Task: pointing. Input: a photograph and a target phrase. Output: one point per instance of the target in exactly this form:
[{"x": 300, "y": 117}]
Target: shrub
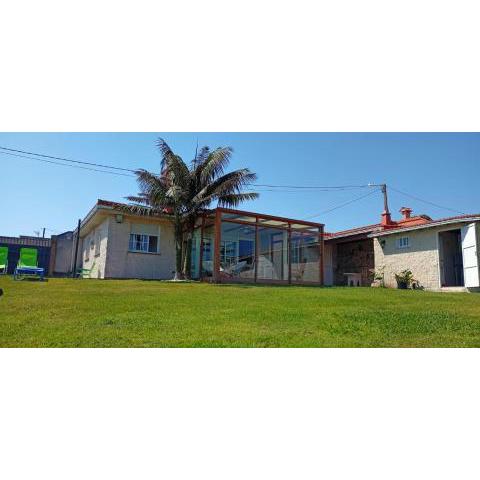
[{"x": 404, "y": 279}]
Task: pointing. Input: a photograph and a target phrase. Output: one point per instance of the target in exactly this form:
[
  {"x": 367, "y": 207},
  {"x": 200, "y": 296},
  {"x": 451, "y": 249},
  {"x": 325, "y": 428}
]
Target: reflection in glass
[
  {"x": 207, "y": 254},
  {"x": 272, "y": 254},
  {"x": 305, "y": 255},
  {"x": 237, "y": 251},
  {"x": 196, "y": 253}
]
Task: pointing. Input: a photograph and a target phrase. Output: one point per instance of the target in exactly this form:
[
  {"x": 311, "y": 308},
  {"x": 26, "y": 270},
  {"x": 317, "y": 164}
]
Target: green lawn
[{"x": 134, "y": 313}]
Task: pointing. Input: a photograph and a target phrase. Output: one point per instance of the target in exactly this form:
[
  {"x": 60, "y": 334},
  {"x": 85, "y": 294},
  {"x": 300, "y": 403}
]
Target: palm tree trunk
[
  {"x": 178, "y": 232},
  {"x": 188, "y": 253},
  {"x": 188, "y": 258}
]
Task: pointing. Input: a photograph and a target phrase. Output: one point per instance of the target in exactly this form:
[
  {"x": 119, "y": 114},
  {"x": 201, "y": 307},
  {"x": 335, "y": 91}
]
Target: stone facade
[
  {"x": 421, "y": 256},
  {"x": 355, "y": 256}
]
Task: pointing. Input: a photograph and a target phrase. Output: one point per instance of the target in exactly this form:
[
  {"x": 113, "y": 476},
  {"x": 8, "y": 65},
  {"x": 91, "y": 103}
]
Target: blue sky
[{"x": 443, "y": 168}]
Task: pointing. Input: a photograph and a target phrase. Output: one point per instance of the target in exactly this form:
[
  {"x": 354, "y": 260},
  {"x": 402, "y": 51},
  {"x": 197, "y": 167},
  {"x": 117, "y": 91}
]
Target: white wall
[
  {"x": 94, "y": 249},
  {"x": 120, "y": 263}
]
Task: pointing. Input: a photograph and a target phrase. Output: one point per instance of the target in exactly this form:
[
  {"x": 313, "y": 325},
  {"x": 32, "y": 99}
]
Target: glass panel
[
  {"x": 305, "y": 254},
  {"x": 196, "y": 253},
  {"x": 207, "y": 255},
  {"x": 273, "y": 223},
  {"x": 237, "y": 216},
  {"x": 153, "y": 244},
  {"x": 237, "y": 251},
  {"x": 272, "y": 254}
]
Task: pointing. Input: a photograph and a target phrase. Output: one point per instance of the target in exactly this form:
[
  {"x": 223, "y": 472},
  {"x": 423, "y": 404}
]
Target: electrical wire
[
  {"x": 425, "y": 201},
  {"x": 312, "y": 187},
  {"x": 342, "y": 204},
  {"x": 66, "y": 165},
  {"x": 266, "y": 187},
  {"x": 68, "y": 159},
  {"x": 295, "y": 187}
]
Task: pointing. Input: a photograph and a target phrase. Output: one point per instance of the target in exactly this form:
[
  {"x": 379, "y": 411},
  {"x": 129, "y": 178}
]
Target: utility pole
[
  {"x": 386, "y": 217},
  {"x": 77, "y": 239},
  {"x": 383, "y": 187},
  {"x": 43, "y": 234}
]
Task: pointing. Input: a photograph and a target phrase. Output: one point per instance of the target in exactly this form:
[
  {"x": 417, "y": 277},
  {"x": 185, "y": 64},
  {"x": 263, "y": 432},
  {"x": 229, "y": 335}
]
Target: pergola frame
[{"x": 258, "y": 221}]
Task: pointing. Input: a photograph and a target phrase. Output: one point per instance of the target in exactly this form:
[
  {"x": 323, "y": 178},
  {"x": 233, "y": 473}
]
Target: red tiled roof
[
  {"x": 397, "y": 225},
  {"x": 353, "y": 231},
  {"x": 431, "y": 223}
]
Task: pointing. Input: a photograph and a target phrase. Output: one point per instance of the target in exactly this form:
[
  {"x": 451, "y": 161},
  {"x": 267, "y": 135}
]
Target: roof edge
[{"x": 434, "y": 223}]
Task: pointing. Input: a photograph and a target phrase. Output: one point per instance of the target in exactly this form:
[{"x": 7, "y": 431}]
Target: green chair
[
  {"x": 3, "y": 260},
  {"x": 85, "y": 272},
  {"x": 27, "y": 265}
]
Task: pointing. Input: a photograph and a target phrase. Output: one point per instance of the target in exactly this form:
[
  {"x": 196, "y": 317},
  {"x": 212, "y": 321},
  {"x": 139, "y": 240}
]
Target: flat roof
[{"x": 271, "y": 219}]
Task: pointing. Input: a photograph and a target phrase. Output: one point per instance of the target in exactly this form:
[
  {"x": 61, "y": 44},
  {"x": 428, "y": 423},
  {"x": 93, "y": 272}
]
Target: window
[
  {"x": 143, "y": 243},
  {"x": 403, "y": 242},
  {"x": 228, "y": 253}
]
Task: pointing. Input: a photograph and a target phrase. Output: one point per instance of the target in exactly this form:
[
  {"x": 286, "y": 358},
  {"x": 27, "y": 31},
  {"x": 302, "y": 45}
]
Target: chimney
[
  {"x": 406, "y": 212},
  {"x": 386, "y": 219}
]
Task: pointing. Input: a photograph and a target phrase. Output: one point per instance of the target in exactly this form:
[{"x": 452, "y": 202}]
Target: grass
[{"x": 135, "y": 313}]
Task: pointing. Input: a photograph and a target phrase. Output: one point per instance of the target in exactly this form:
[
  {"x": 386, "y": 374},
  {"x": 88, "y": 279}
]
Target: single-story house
[
  {"x": 352, "y": 251},
  {"x": 228, "y": 246},
  {"x": 441, "y": 254},
  {"x": 238, "y": 246}
]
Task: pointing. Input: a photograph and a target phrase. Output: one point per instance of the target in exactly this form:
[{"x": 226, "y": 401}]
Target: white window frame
[
  {"x": 403, "y": 242},
  {"x": 144, "y": 243},
  {"x": 229, "y": 252}
]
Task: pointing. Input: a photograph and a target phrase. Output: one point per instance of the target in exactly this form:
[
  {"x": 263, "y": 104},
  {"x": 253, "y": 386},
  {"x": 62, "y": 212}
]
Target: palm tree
[{"x": 185, "y": 191}]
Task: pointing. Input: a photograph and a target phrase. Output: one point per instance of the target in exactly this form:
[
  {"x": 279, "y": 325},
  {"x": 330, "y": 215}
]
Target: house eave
[{"x": 424, "y": 226}]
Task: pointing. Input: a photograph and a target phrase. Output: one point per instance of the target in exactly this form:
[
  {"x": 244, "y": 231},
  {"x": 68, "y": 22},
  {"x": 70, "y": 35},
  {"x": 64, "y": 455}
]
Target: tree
[{"x": 185, "y": 191}]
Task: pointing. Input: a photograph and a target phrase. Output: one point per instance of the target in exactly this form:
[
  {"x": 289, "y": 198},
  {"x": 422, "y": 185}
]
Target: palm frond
[
  {"x": 200, "y": 157},
  {"x": 235, "y": 199},
  {"x": 227, "y": 184},
  {"x": 140, "y": 199},
  {"x": 215, "y": 164},
  {"x": 165, "y": 151},
  {"x": 138, "y": 209}
]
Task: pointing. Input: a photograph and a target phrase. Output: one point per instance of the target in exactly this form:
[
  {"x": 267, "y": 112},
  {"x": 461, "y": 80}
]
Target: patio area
[{"x": 238, "y": 246}]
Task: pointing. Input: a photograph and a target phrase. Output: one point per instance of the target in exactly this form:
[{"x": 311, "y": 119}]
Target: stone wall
[
  {"x": 421, "y": 257},
  {"x": 353, "y": 257}
]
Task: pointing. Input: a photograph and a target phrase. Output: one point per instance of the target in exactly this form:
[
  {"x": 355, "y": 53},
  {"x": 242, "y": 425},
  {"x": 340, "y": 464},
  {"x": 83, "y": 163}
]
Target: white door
[{"x": 470, "y": 256}]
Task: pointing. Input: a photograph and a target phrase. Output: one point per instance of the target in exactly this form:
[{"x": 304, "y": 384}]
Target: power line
[
  {"x": 425, "y": 201},
  {"x": 112, "y": 167},
  {"x": 65, "y": 164},
  {"x": 339, "y": 187},
  {"x": 343, "y": 204},
  {"x": 68, "y": 160}
]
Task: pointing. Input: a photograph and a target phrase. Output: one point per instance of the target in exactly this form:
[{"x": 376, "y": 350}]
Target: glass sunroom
[{"x": 237, "y": 246}]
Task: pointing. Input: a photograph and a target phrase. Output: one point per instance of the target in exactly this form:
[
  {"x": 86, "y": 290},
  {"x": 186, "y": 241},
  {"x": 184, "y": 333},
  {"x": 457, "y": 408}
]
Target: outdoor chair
[
  {"x": 27, "y": 265},
  {"x": 3, "y": 260},
  {"x": 85, "y": 272},
  {"x": 235, "y": 270}
]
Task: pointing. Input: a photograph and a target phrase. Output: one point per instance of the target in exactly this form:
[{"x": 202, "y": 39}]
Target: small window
[
  {"x": 403, "y": 242},
  {"x": 143, "y": 243}
]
